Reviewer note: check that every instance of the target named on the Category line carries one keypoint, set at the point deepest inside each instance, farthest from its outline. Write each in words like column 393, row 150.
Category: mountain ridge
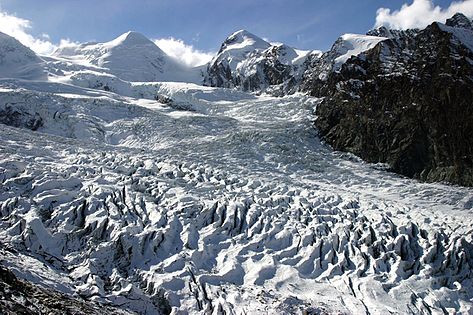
column 169, row 197
column 131, row 57
column 249, row 63
column 17, row 60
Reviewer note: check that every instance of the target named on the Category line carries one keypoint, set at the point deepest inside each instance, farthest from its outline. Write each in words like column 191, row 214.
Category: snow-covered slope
column 233, row 206
column 18, row 61
column 169, row 197
column 349, row 45
column 318, row 67
column 131, row 57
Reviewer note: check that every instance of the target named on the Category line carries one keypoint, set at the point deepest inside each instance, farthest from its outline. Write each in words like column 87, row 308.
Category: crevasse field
column 219, row 202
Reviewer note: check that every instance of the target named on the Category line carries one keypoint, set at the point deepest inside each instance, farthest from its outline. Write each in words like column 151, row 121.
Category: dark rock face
column 461, row 21
column 21, row 297
column 270, row 69
column 407, row 102
column 21, row 119
column 249, row 63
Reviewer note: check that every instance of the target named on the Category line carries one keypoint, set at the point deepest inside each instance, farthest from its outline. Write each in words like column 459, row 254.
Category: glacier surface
column 160, row 197
column 231, row 205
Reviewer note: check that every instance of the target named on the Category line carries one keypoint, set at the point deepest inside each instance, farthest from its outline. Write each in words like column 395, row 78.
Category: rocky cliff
column 249, row 63
column 402, row 97
column 407, row 102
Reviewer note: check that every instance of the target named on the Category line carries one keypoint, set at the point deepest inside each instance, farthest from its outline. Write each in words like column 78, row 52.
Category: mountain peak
column 243, row 38
column 460, row 20
column 132, row 38
column 244, row 33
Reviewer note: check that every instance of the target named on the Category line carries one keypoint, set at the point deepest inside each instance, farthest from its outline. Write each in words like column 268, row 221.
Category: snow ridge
column 131, row 57
column 18, row 61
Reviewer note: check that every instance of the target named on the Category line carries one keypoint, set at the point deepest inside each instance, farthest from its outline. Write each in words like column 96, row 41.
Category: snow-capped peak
column 132, row 57
column 460, row 20
column 461, row 28
column 349, row 45
column 243, row 39
column 132, row 38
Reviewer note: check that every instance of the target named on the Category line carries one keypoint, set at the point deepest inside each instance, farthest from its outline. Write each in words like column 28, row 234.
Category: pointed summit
column 132, row 57
column 460, row 20
column 243, row 38
column 242, row 35
column 131, row 38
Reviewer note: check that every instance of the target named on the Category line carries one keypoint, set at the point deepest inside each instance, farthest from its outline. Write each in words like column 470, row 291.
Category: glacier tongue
column 233, row 207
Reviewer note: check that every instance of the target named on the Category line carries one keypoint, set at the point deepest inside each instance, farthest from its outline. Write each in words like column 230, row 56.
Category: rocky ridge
column 407, row 102
column 401, row 97
column 248, row 62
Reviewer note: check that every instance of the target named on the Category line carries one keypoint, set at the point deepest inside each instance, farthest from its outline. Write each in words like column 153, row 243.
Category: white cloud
column 182, row 52
column 18, row 28
column 421, row 13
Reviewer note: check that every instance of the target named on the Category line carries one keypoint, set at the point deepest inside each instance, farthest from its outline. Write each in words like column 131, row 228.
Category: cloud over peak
column 18, row 28
column 421, row 13
column 183, row 52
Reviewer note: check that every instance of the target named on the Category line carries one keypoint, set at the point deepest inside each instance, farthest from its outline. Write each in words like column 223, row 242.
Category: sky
column 192, row 31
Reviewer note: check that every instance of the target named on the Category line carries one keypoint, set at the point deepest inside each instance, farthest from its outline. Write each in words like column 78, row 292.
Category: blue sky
column 203, row 25
column 306, row 24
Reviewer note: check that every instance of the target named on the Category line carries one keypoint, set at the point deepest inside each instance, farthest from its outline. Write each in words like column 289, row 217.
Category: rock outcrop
column 18, row 296
column 249, row 63
column 407, row 102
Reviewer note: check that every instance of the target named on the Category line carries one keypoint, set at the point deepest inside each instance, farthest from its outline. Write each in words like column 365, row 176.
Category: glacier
column 172, row 197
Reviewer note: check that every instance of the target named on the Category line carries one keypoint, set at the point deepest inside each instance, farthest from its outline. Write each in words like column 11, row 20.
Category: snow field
column 232, row 206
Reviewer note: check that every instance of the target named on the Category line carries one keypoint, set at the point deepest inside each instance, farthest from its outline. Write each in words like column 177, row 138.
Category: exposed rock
column 15, row 117
column 163, row 99
column 249, row 63
column 408, row 102
column 21, row 297
column 460, row 20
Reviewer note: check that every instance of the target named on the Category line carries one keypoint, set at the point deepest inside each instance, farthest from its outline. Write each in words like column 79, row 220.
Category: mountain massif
column 398, row 97
column 131, row 184
column 407, row 102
